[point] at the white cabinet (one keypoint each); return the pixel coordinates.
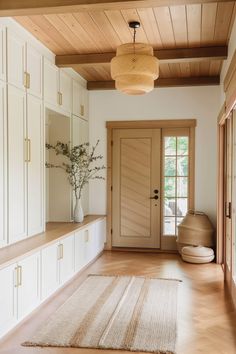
(100, 237)
(35, 166)
(20, 291)
(3, 164)
(80, 256)
(80, 100)
(34, 67)
(57, 265)
(3, 56)
(51, 82)
(16, 51)
(17, 187)
(8, 306)
(65, 91)
(66, 259)
(49, 270)
(28, 285)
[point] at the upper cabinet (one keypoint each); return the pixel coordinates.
(51, 83)
(65, 91)
(3, 68)
(26, 71)
(16, 63)
(80, 100)
(57, 87)
(34, 71)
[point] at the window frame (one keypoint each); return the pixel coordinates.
(168, 242)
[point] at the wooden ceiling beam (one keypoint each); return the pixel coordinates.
(162, 82)
(34, 7)
(164, 55)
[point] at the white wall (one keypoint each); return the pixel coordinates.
(201, 103)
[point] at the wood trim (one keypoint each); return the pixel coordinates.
(31, 7)
(220, 196)
(230, 72)
(152, 124)
(222, 115)
(164, 55)
(192, 168)
(149, 124)
(162, 82)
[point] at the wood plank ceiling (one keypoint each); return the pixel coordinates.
(168, 27)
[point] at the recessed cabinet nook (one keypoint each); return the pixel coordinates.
(40, 248)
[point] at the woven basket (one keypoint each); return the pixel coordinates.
(196, 230)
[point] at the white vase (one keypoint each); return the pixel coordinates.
(78, 211)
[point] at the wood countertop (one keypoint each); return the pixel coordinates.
(54, 232)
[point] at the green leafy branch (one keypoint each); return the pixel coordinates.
(80, 166)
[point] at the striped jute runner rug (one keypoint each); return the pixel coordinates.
(115, 312)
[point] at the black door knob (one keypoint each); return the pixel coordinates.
(155, 197)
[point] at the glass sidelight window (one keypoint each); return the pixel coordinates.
(175, 175)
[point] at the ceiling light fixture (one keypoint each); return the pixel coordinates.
(134, 68)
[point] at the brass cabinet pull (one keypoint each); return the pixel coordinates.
(82, 110)
(29, 150)
(26, 150)
(58, 252)
(15, 277)
(19, 276)
(59, 95)
(25, 79)
(86, 236)
(62, 251)
(28, 80)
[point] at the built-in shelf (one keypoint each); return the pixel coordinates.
(54, 231)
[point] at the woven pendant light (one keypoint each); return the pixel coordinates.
(134, 68)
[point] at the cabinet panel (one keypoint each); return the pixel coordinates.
(80, 256)
(76, 89)
(34, 69)
(49, 270)
(8, 308)
(17, 188)
(3, 165)
(15, 59)
(35, 165)
(51, 82)
(29, 285)
(100, 235)
(66, 258)
(2, 53)
(66, 91)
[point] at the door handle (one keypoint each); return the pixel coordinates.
(229, 214)
(155, 197)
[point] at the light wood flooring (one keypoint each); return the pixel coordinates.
(206, 319)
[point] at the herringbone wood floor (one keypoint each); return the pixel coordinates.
(207, 320)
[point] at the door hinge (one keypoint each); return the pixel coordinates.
(111, 231)
(112, 143)
(111, 188)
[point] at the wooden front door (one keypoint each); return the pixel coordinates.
(136, 188)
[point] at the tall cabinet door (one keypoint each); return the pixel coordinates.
(34, 70)
(15, 59)
(3, 170)
(66, 91)
(8, 306)
(28, 284)
(66, 249)
(35, 165)
(3, 52)
(51, 82)
(17, 187)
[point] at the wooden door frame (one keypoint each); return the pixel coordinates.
(145, 124)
